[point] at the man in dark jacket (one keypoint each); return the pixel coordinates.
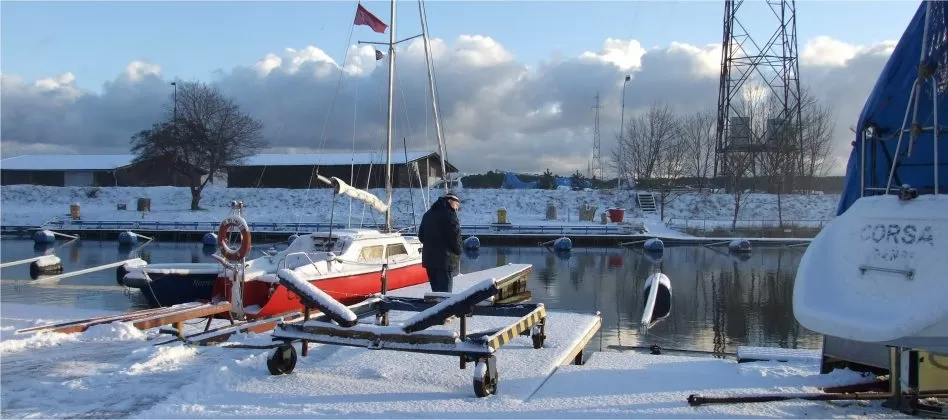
(440, 236)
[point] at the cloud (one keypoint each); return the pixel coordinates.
(497, 112)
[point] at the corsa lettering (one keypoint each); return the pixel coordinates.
(897, 234)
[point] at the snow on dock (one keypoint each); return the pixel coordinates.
(109, 372)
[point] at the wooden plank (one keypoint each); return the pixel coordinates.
(758, 354)
(182, 315)
(507, 334)
(223, 333)
(373, 333)
(577, 350)
(82, 324)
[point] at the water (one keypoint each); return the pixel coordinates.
(719, 301)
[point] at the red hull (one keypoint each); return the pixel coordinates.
(274, 299)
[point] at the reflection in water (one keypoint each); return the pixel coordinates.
(719, 301)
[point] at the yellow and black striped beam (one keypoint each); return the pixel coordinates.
(507, 334)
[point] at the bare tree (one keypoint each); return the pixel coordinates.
(210, 133)
(817, 139)
(646, 135)
(739, 167)
(673, 165)
(698, 133)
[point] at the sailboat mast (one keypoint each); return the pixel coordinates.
(434, 97)
(388, 140)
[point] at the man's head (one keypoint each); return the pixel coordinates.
(453, 201)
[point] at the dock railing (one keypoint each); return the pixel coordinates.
(273, 227)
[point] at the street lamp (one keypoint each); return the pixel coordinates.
(621, 165)
(175, 84)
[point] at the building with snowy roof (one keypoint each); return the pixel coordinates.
(362, 170)
(92, 170)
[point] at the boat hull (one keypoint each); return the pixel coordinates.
(173, 285)
(174, 290)
(275, 299)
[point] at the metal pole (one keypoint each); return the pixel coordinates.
(622, 134)
(175, 84)
(434, 97)
(388, 141)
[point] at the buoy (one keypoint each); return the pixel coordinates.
(654, 245)
(563, 244)
(472, 242)
(471, 254)
(739, 246)
(47, 264)
(209, 239)
(563, 254)
(127, 238)
(293, 237)
(654, 256)
(44, 237)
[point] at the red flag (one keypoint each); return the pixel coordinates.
(378, 55)
(364, 17)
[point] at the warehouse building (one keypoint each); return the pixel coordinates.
(92, 170)
(363, 170)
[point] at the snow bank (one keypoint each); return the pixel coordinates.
(34, 205)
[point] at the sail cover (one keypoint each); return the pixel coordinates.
(885, 110)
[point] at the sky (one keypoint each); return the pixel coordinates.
(516, 80)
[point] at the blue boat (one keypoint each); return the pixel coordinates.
(170, 284)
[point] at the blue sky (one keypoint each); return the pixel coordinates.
(191, 40)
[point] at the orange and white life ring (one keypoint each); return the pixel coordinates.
(228, 252)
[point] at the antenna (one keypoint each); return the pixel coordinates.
(596, 169)
(770, 68)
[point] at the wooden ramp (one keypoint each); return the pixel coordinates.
(143, 320)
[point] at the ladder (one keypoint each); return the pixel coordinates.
(646, 202)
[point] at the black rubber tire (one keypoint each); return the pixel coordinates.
(282, 360)
(538, 340)
(486, 385)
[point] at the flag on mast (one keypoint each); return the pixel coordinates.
(379, 55)
(365, 17)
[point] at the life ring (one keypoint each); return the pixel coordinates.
(233, 254)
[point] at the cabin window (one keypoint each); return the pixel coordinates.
(371, 254)
(395, 250)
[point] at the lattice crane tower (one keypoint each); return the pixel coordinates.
(766, 62)
(596, 169)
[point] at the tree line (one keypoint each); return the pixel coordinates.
(660, 147)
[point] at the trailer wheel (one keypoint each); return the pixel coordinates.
(485, 377)
(282, 360)
(538, 337)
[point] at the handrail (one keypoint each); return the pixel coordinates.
(283, 261)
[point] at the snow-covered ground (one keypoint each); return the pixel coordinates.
(114, 370)
(27, 205)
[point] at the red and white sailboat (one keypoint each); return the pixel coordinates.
(347, 264)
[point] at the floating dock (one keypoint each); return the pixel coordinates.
(488, 234)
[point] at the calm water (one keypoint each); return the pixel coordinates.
(719, 301)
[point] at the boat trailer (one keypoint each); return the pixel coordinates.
(339, 325)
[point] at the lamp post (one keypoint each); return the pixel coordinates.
(622, 134)
(175, 84)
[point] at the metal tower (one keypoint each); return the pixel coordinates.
(766, 61)
(596, 169)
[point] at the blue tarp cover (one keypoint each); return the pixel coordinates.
(885, 110)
